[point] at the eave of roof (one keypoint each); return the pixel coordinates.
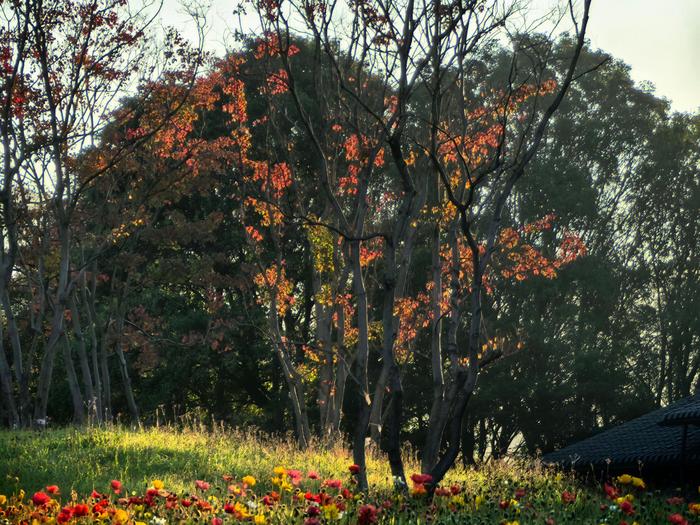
(652, 439)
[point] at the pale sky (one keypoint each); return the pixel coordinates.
(659, 40)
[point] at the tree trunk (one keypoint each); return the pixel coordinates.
(6, 386)
(434, 437)
(88, 300)
(106, 380)
(92, 411)
(21, 378)
(47, 363)
(76, 396)
(124, 369)
(361, 369)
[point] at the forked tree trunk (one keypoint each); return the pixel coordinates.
(47, 365)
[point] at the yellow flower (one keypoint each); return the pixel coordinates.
(276, 481)
(478, 501)
(638, 482)
(331, 512)
(120, 517)
(158, 484)
(625, 479)
(259, 519)
(514, 522)
(279, 471)
(3, 499)
(21, 494)
(622, 499)
(694, 508)
(458, 500)
(241, 510)
(249, 480)
(140, 523)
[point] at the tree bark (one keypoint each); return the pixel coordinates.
(76, 396)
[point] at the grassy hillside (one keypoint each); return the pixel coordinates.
(158, 470)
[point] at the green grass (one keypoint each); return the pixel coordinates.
(81, 460)
(85, 459)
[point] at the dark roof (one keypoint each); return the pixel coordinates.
(653, 439)
(683, 413)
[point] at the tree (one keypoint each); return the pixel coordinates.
(406, 46)
(65, 64)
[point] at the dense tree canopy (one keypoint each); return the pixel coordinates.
(296, 238)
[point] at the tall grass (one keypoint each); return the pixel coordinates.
(83, 459)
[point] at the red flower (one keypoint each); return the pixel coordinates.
(312, 521)
(627, 507)
(95, 495)
(504, 504)
(217, 521)
(313, 474)
(80, 510)
(610, 491)
(675, 500)
(519, 493)
(313, 510)
(52, 489)
(309, 496)
(421, 479)
(333, 483)
(550, 521)
(677, 519)
(367, 515)
(116, 486)
(40, 498)
(295, 476)
(268, 501)
(65, 515)
(186, 502)
(203, 505)
(202, 485)
(568, 497)
(354, 469)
